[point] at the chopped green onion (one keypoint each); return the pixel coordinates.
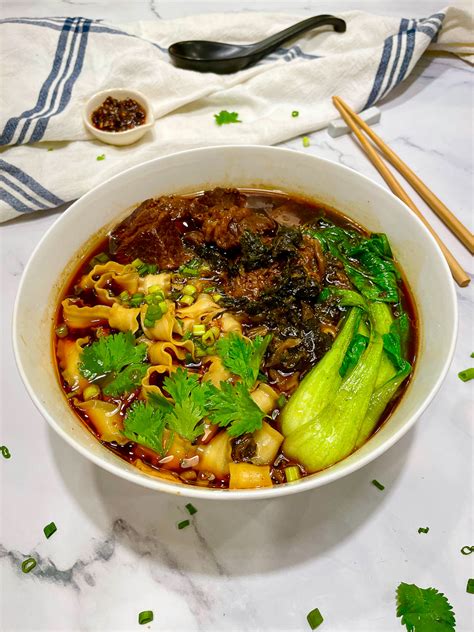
(62, 330)
(124, 296)
(49, 529)
(183, 524)
(470, 586)
(189, 290)
(216, 297)
(315, 618)
(211, 336)
(137, 299)
(191, 509)
(153, 313)
(467, 550)
(101, 157)
(154, 289)
(423, 530)
(163, 305)
(281, 401)
(306, 142)
(28, 565)
(295, 113)
(292, 473)
(187, 300)
(199, 330)
(102, 257)
(466, 375)
(145, 617)
(90, 392)
(378, 485)
(5, 452)
(472, 354)
(137, 262)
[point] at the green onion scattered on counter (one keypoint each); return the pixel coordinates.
(423, 530)
(295, 113)
(183, 524)
(5, 452)
(49, 529)
(306, 141)
(145, 617)
(466, 375)
(315, 618)
(470, 586)
(191, 509)
(378, 485)
(467, 550)
(101, 157)
(28, 565)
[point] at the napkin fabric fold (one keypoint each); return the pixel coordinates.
(51, 66)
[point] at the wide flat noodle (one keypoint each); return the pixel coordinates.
(162, 280)
(124, 318)
(106, 419)
(163, 370)
(216, 373)
(169, 353)
(230, 324)
(123, 277)
(77, 317)
(69, 352)
(265, 397)
(200, 312)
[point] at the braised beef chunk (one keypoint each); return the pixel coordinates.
(153, 233)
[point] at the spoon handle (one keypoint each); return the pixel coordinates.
(270, 43)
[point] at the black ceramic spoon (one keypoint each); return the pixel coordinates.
(223, 58)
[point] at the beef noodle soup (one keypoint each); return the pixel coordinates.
(235, 338)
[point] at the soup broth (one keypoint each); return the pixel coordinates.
(216, 339)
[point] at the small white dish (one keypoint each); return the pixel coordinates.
(128, 136)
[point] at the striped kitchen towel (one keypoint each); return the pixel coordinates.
(50, 66)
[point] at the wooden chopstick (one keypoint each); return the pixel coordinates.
(460, 276)
(441, 210)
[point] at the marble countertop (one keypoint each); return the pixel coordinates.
(259, 565)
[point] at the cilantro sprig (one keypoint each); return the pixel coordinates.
(231, 406)
(117, 359)
(224, 117)
(145, 425)
(243, 357)
(424, 609)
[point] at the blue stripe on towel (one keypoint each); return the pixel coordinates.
(37, 204)
(411, 34)
(381, 72)
(400, 39)
(14, 202)
(12, 123)
(65, 97)
(30, 182)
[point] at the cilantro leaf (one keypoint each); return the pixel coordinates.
(233, 407)
(110, 354)
(424, 609)
(158, 401)
(145, 425)
(185, 419)
(243, 357)
(127, 380)
(225, 117)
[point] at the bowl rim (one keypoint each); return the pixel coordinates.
(189, 491)
(103, 94)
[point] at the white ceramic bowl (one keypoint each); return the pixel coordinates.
(245, 166)
(128, 136)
